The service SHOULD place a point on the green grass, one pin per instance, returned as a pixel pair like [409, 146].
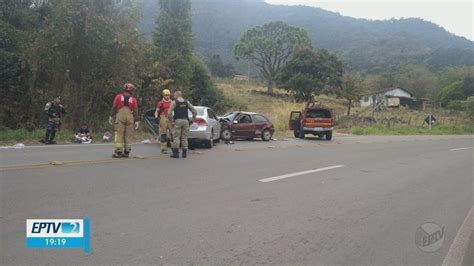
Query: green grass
[378, 129]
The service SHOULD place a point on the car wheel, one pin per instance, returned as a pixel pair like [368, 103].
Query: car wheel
[266, 135]
[208, 144]
[191, 145]
[226, 135]
[328, 135]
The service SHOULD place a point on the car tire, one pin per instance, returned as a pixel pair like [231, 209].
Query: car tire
[226, 135]
[267, 135]
[191, 145]
[328, 135]
[208, 144]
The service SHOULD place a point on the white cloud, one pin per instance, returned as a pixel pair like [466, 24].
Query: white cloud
[455, 16]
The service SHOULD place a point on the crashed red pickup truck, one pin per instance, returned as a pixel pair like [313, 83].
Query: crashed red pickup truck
[314, 119]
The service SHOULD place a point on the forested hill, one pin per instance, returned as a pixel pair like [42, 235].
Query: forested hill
[365, 45]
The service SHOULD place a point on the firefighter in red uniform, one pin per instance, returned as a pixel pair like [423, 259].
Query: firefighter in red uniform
[125, 110]
[161, 113]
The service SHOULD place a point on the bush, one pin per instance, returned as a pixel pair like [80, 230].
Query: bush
[203, 92]
[457, 105]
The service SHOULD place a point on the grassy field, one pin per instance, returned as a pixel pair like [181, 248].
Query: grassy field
[250, 97]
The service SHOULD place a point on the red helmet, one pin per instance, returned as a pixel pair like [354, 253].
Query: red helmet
[129, 87]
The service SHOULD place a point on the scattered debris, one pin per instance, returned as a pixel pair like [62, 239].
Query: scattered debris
[19, 146]
[56, 163]
[107, 137]
[197, 152]
[139, 157]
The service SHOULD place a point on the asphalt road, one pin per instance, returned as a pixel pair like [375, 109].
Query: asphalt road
[351, 201]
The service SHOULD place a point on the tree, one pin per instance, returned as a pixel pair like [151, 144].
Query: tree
[83, 50]
[173, 38]
[457, 91]
[202, 90]
[352, 88]
[269, 46]
[309, 73]
[218, 68]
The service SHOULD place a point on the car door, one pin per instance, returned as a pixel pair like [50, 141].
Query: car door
[260, 122]
[243, 127]
[214, 123]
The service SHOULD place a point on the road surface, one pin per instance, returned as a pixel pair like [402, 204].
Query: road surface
[351, 201]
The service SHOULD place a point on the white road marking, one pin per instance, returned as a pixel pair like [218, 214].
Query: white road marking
[460, 149]
[270, 179]
[459, 247]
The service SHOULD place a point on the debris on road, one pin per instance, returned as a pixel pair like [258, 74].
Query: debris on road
[56, 163]
[19, 146]
[139, 157]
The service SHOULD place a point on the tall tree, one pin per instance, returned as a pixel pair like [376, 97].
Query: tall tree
[352, 88]
[173, 38]
[309, 73]
[269, 46]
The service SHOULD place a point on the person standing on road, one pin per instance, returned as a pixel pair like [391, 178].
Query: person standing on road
[125, 110]
[161, 113]
[53, 111]
[178, 113]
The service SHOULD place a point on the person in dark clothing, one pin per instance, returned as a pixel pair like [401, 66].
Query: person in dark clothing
[53, 110]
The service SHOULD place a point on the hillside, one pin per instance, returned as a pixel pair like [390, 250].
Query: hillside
[365, 45]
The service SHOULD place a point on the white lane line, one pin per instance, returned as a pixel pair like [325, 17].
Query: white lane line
[460, 149]
[270, 179]
[459, 247]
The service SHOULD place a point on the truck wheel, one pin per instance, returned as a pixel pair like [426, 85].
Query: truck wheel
[296, 133]
[301, 134]
[328, 135]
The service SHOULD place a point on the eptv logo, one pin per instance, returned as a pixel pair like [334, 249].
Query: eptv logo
[58, 233]
[52, 227]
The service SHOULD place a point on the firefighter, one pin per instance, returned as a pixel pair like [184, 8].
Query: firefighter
[178, 113]
[53, 111]
[125, 110]
[161, 113]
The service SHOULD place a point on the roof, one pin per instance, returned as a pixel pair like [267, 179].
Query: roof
[387, 90]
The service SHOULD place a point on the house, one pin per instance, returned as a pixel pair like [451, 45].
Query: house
[390, 97]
